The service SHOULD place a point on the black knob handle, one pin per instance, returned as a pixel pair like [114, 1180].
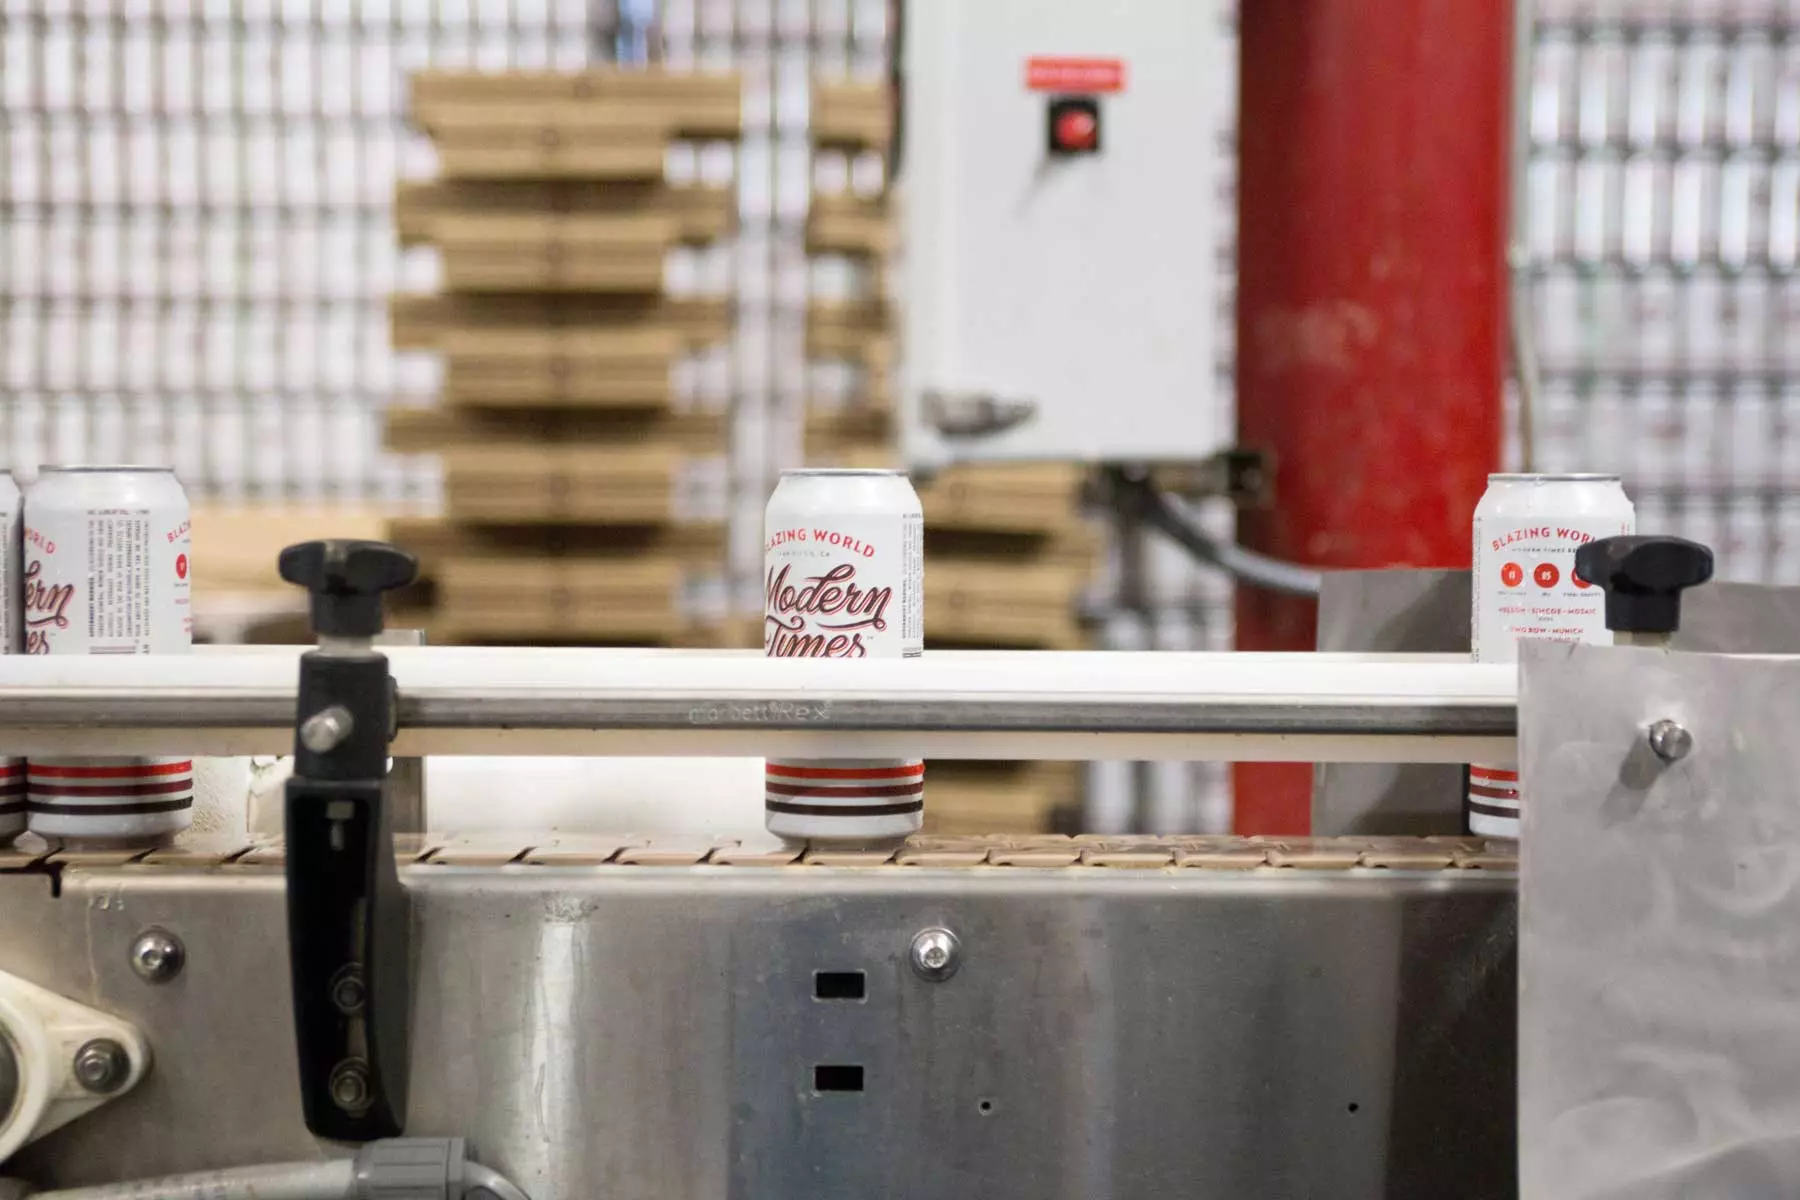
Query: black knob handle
[1644, 577]
[346, 578]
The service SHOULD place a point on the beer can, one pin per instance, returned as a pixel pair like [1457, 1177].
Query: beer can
[843, 577]
[106, 572]
[12, 770]
[1527, 529]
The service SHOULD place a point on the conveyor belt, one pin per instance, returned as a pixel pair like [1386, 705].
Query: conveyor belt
[1270, 854]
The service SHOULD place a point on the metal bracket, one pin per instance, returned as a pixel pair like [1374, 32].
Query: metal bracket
[406, 776]
[974, 414]
[1244, 476]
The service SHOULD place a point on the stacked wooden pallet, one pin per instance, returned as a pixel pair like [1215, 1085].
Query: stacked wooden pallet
[1008, 555]
[584, 452]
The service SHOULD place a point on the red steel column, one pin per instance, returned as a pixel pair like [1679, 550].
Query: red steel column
[1371, 299]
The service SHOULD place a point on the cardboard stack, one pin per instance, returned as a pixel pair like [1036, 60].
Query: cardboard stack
[581, 423]
[1008, 555]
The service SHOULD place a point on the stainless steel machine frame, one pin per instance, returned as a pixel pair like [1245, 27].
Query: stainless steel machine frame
[1038, 1017]
[1221, 1027]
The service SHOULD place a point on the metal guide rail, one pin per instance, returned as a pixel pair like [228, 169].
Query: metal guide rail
[971, 704]
[1217, 853]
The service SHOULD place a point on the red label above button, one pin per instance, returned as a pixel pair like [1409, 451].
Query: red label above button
[1049, 73]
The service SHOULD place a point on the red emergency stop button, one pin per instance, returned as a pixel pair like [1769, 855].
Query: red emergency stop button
[1074, 125]
[1077, 131]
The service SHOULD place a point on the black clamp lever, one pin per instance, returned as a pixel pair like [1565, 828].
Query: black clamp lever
[1644, 577]
[349, 921]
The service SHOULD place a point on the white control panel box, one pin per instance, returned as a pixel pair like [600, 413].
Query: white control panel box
[1058, 191]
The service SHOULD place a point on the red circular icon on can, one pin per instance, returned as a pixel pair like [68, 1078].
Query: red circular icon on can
[181, 566]
[1545, 575]
[1578, 581]
[1512, 574]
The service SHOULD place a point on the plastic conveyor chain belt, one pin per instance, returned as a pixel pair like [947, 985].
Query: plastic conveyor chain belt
[925, 851]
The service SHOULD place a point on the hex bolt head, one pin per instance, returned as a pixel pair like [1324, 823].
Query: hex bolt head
[349, 1085]
[102, 1066]
[1671, 741]
[157, 956]
[936, 954]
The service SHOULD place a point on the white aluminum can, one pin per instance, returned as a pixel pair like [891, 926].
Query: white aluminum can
[106, 572]
[844, 577]
[12, 770]
[1527, 530]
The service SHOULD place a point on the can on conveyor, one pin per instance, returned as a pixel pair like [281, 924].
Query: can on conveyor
[844, 577]
[106, 572]
[1527, 529]
[12, 770]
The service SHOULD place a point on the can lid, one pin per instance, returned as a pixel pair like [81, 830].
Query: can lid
[839, 471]
[1548, 477]
[93, 468]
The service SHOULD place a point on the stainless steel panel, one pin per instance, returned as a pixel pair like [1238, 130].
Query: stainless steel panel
[1660, 926]
[1428, 612]
[1405, 611]
[1740, 618]
[638, 1032]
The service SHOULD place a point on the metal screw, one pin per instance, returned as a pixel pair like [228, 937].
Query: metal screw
[326, 729]
[102, 1066]
[347, 991]
[936, 954]
[157, 956]
[350, 1085]
[1671, 741]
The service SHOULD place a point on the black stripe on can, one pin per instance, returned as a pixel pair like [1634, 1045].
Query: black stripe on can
[111, 789]
[844, 810]
[851, 791]
[1489, 810]
[17, 806]
[111, 810]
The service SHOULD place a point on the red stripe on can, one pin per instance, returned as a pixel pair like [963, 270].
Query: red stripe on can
[1493, 793]
[909, 771]
[102, 791]
[1494, 773]
[782, 789]
[124, 770]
